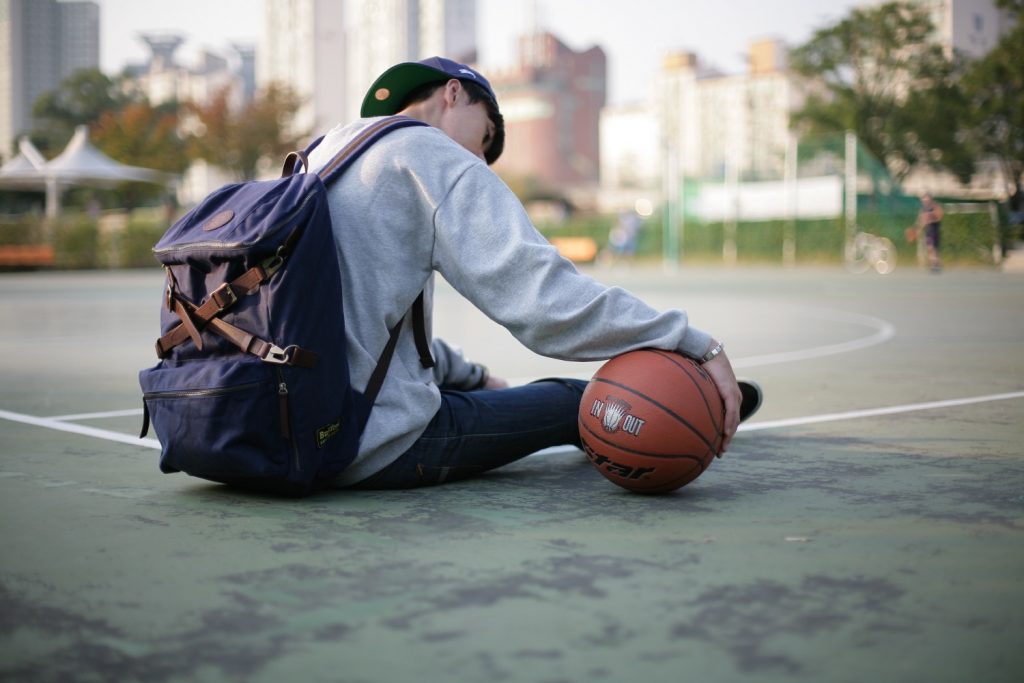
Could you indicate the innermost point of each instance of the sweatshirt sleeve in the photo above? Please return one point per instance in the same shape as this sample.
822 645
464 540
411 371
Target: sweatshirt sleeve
452 370
487 248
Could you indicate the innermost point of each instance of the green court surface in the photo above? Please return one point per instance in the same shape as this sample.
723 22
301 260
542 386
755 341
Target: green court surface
866 525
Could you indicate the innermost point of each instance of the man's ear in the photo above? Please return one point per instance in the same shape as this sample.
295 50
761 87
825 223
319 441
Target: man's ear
451 91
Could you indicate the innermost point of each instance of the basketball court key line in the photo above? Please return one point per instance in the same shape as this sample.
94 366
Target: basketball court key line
58 425
883 332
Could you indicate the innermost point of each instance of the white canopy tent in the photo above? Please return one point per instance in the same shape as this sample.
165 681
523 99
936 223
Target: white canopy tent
28 163
79 164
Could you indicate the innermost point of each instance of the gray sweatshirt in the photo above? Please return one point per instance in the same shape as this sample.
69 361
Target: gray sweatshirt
416 202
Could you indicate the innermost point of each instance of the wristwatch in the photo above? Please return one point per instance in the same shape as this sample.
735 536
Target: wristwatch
715 350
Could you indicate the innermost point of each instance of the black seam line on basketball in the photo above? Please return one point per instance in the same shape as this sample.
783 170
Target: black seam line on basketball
667 356
665 408
673 456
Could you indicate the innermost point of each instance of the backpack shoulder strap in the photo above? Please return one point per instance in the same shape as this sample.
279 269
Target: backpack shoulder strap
350 152
422 345
330 171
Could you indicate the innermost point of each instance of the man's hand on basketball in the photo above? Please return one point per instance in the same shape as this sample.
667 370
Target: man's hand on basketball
722 373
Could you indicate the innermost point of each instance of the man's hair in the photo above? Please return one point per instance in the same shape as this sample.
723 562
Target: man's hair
476 94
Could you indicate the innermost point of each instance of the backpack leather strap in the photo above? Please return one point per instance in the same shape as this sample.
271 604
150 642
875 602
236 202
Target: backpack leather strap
381 371
261 348
194 319
419 332
331 170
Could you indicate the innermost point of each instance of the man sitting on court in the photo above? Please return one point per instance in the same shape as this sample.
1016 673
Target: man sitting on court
423 200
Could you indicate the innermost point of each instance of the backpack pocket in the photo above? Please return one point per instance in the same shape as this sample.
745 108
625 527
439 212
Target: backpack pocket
223 420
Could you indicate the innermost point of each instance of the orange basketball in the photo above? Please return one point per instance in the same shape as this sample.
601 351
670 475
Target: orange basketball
651 421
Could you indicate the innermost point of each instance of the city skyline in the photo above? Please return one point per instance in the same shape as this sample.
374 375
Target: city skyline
634 41
719 106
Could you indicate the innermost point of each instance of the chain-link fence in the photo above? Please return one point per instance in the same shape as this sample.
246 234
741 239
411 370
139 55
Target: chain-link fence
803 205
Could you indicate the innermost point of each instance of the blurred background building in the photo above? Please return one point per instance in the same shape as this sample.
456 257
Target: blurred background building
630 156
716 123
380 33
163 79
329 51
552 100
731 129
697 122
971 27
303 47
42 42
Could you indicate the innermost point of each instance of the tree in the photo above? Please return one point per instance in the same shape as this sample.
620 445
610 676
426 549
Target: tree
879 73
82 98
994 85
238 140
142 135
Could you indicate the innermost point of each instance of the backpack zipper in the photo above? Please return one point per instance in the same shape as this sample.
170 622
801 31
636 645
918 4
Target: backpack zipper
286 427
200 393
282 404
187 393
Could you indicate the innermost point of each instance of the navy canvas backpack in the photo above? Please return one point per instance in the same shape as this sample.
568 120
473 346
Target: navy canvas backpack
252 387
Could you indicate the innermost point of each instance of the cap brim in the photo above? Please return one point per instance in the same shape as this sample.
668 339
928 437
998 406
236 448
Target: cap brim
391 88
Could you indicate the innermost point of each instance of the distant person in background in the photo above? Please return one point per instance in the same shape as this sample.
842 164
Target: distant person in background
1015 206
929 220
623 236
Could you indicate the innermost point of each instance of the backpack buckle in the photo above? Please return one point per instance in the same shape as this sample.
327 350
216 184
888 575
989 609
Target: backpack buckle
224 297
169 292
275 355
273 264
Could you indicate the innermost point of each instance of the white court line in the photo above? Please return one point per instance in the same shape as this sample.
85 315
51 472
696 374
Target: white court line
875 412
883 332
52 423
130 412
853 414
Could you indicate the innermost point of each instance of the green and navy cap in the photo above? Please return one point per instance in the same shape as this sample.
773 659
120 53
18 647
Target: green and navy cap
388 93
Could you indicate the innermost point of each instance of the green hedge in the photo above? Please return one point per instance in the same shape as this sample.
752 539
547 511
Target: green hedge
967 238
76 243
80 243
23 229
135 244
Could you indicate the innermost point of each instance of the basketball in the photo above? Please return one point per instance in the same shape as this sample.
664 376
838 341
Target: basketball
651 421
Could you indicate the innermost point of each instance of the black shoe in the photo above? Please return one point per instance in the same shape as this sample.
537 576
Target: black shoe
752 396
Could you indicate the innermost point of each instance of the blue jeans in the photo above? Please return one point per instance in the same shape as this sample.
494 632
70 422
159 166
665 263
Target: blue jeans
477 431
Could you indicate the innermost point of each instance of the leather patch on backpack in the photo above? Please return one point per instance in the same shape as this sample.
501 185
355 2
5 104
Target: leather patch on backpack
219 221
